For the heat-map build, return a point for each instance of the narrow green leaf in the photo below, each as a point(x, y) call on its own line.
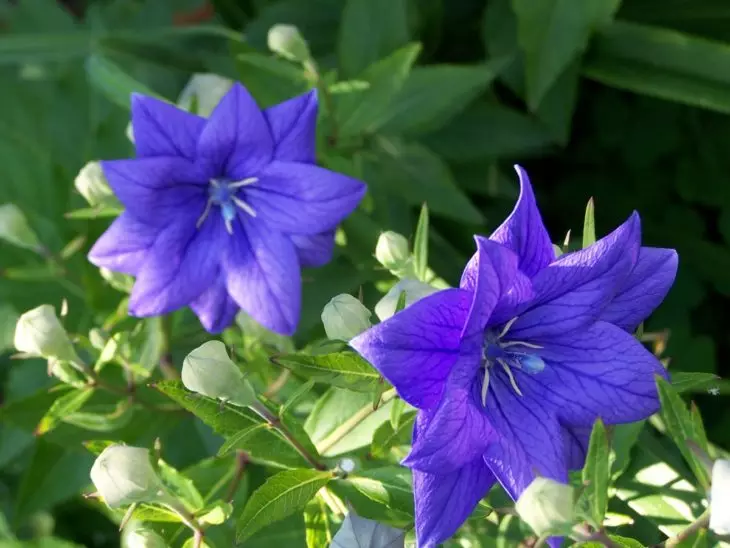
point(317, 524)
point(113, 81)
point(237, 440)
point(116, 418)
point(386, 437)
point(589, 225)
point(296, 397)
point(343, 369)
point(401, 303)
point(69, 403)
point(94, 213)
point(396, 412)
point(283, 494)
point(420, 245)
point(596, 473)
point(180, 486)
point(699, 427)
point(390, 486)
point(692, 381)
point(270, 80)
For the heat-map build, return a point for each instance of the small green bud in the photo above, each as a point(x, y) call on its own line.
point(546, 505)
point(720, 497)
point(287, 41)
point(15, 230)
point(204, 92)
point(414, 291)
point(392, 251)
point(345, 317)
point(119, 281)
point(93, 186)
point(209, 371)
point(39, 332)
point(140, 537)
point(124, 475)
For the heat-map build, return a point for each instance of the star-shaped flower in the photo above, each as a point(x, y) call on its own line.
point(510, 370)
point(221, 213)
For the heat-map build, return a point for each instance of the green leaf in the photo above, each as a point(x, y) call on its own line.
point(317, 524)
point(692, 381)
point(662, 63)
point(420, 245)
point(370, 30)
point(552, 34)
point(118, 417)
point(699, 428)
point(239, 439)
point(94, 213)
point(69, 403)
point(270, 80)
point(113, 81)
point(595, 473)
point(265, 446)
point(432, 95)
point(181, 487)
point(283, 494)
point(386, 437)
point(396, 412)
point(296, 397)
point(215, 513)
point(623, 542)
point(343, 369)
point(589, 225)
point(390, 486)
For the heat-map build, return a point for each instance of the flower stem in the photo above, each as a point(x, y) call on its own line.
point(241, 462)
point(700, 523)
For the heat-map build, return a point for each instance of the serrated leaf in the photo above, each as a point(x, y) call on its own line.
point(69, 403)
point(342, 369)
point(280, 496)
point(691, 381)
point(148, 512)
point(589, 225)
point(596, 473)
point(390, 486)
point(420, 245)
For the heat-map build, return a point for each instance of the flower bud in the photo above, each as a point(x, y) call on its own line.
point(119, 281)
point(204, 92)
point(14, 228)
point(720, 497)
point(345, 317)
point(546, 505)
point(124, 475)
point(92, 185)
point(392, 251)
point(209, 371)
point(140, 537)
point(289, 43)
point(39, 332)
point(414, 291)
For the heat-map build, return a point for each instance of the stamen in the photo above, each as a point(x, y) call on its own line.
point(244, 206)
point(519, 343)
point(512, 380)
point(206, 211)
point(485, 385)
point(243, 182)
point(506, 327)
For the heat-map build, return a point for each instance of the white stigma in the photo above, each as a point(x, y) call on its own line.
point(223, 194)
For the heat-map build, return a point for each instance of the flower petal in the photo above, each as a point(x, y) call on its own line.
point(315, 249)
point(416, 348)
point(160, 190)
point(215, 308)
point(236, 140)
point(457, 431)
point(445, 501)
point(303, 199)
point(598, 372)
point(181, 264)
point(162, 129)
point(293, 126)
point(524, 232)
point(263, 276)
point(124, 245)
point(573, 290)
point(576, 439)
point(644, 290)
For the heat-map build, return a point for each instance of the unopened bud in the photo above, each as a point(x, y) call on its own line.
point(92, 185)
point(119, 281)
point(209, 371)
point(39, 332)
point(124, 475)
point(14, 228)
point(414, 291)
point(546, 505)
point(720, 497)
point(289, 43)
point(345, 317)
point(392, 251)
point(140, 537)
point(204, 92)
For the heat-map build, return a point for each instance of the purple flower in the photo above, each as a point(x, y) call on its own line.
point(510, 370)
point(222, 213)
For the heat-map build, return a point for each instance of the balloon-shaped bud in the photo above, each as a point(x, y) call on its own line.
point(720, 497)
point(93, 186)
point(392, 251)
point(39, 332)
point(546, 505)
point(15, 230)
point(209, 371)
point(414, 291)
point(287, 41)
point(124, 475)
point(203, 92)
point(141, 537)
point(345, 317)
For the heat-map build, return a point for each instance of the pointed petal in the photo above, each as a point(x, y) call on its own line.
point(524, 232)
point(572, 291)
point(236, 139)
point(445, 501)
point(576, 439)
point(158, 191)
point(645, 288)
point(300, 198)
point(263, 276)
point(181, 264)
point(215, 308)
point(162, 129)
point(416, 348)
point(124, 245)
point(314, 250)
point(457, 431)
point(293, 126)
point(598, 372)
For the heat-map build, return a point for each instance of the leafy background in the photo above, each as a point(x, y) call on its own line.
point(625, 102)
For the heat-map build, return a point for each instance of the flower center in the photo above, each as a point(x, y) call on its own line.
point(222, 193)
point(508, 355)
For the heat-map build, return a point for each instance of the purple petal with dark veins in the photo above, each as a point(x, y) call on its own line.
point(293, 126)
point(124, 245)
point(416, 348)
point(576, 440)
point(215, 308)
point(315, 249)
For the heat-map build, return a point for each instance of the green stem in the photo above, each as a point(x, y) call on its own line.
point(701, 522)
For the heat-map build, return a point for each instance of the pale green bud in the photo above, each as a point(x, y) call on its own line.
point(392, 251)
point(287, 41)
point(414, 291)
point(140, 537)
point(39, 332)
point(720, 497)
point(205, 92)
point(345, 317)
point(124, 475)
point(14, 228)
point(93, 186)
point(546, 505)
point(209, 371)
point(119, 281)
